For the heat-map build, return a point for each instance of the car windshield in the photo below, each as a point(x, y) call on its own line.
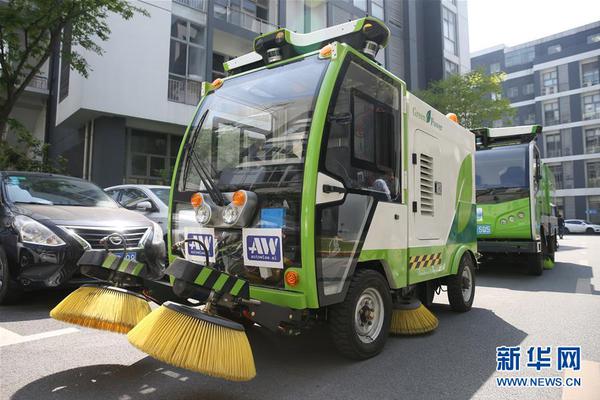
point(254, 129)
point(162, 194)
point(55, 190)
point(502, 167)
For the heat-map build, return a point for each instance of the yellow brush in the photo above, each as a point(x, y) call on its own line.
point(410, 317)
point(192, 339)
point(102, 307)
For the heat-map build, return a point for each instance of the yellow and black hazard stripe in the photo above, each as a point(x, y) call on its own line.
point(209, 278)
point(104, 259)
point(424, 260)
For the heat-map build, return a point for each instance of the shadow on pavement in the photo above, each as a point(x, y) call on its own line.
point(446, 364)
point(33, 305)
point(564, 277)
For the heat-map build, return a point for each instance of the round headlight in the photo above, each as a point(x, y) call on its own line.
point(511, 218)
point(503, 221)
point(203, 214)
point(521, 215)
point(230, 214)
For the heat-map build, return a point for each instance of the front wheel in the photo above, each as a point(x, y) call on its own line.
point(589, 231)
point(461, 287)
point(10, 291)
point(359, 325)
point(535, 264)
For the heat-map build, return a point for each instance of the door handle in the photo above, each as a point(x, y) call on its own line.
point(333, 189)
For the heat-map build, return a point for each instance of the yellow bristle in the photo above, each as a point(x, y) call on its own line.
point(195, 344)
point(102, 308)
point(413, 321)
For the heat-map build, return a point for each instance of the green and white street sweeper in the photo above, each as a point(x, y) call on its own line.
point(515, 217)
point(310, 187)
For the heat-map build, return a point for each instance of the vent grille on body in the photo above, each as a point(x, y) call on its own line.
point(427, 185)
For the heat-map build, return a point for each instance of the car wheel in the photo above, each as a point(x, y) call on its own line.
point(461, 287)
point(359, 325)
point(10, 291)
point(589, 231)
point(535, 264)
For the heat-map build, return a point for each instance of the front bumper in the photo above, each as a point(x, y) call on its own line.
point(42, 266)
point(509, 246)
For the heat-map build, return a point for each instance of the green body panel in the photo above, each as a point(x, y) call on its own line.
point(492, 214)
point(395, 259)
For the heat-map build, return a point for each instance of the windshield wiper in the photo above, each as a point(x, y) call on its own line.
point(200, 167)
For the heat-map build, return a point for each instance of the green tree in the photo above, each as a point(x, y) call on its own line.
point(30, 30)
point(475, 97)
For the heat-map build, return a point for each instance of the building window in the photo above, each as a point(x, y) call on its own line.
point(528, 89)
point(254, 15)
point(553, 145)
point(593, 174)
point(549, 82)
point(362, 4)
point(555, 48)
point(218, 71)
point(450, 68)
point(590, 73)
point(593, 209)
point(197, 4)
point(591, 106)
point(512, 92)
point(592, 140)
point(494, 68)
point(518, 57)
point(151, 156)
point(557, 171)
point(449, 27)
point(529, 119)
point(377, 9)
point(306, 15)
point(551, 113)
point(187, 60)
point(595, 38)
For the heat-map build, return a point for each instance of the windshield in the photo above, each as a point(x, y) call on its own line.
point(255, 129)
point(502, 167)
point(55, 190)
point(162, 194)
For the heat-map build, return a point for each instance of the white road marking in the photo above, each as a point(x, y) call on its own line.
point(583, 262)
point(8, 337)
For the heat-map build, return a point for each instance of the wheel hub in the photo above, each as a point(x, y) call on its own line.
point(466, 283)
point(369, 315)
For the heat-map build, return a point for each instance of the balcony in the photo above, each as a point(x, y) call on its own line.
point(184, 91)
point(243, 19)
point(199, 5)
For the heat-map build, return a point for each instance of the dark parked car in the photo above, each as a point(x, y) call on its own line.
point(47, 221)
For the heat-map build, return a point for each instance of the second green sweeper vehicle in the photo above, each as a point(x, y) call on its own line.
point(310, 187)
point(516, 220)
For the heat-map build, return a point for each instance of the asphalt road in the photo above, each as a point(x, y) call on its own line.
point(45, 359)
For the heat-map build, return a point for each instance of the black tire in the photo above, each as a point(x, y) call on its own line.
point(341, 317)
point(456, 284)
point(10, 291)
point(426, 293)
point(590, 231)
point(535, 264)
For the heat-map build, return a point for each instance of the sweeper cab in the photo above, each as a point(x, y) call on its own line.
point(515, 217)
point(311, 187)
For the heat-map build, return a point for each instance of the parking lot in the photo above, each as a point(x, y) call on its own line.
point(45, 359)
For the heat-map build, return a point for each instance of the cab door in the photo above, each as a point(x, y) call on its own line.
point(358, 187)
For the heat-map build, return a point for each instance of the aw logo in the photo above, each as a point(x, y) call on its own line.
point(194, 250)
point(262, 247)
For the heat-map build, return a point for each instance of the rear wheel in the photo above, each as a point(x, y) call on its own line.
point(461, 287)
point(359, 325)
point(535, 264)
point(589, 231)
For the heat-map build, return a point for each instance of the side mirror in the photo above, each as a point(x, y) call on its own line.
point(144, 206)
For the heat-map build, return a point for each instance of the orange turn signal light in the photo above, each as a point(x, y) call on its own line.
point(217, 83)
point(292, 278)
point(452, 117)
point(197, 200)
point(326, 51)
point(239, 198)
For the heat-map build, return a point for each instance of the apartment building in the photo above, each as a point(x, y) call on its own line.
point(555, 81)
point(125, 122)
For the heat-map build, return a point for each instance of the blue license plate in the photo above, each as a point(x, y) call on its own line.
point(129, 256)
point(484, 229)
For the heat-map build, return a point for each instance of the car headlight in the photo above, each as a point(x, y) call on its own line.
point(31, 231)
point(230, 214)
point(203, 214)
point(157, 234)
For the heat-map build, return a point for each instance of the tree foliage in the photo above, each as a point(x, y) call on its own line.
point(30, 30)
point(475, 97)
